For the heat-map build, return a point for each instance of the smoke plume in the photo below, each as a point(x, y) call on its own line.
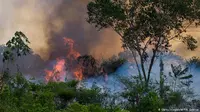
point(46, 22)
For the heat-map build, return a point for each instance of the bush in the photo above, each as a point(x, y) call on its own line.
point(150, 103)
point(89, 96)
point(76, 107)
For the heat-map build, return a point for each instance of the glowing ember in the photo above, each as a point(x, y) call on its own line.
point(58, 73)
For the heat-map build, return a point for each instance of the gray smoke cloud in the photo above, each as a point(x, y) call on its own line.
point(47, 22)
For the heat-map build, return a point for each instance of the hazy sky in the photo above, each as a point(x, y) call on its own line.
point(46, 22)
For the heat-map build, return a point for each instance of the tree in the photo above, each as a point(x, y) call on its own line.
point(89, 65)
point(15, 47)
point(147, 27)
point(138, 98)
point(193, 62)
point(180, 74)
point(162, 79)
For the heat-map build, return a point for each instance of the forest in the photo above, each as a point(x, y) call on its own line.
point(148, 29)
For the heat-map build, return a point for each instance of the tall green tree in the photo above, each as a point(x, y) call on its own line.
point(147, 27)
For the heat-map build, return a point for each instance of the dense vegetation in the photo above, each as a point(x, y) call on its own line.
point(21, 95)
point(145, 28)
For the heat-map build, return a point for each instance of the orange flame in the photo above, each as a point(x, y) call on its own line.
point(58, 71)
point(73, 55)
point(78, 74)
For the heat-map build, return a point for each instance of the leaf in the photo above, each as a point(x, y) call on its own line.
point(183, 71)
point(186, 77)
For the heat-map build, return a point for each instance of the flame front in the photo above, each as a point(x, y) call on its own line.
point(72, 55)
point(59, 70)
point(57, 73)
point(78, 73)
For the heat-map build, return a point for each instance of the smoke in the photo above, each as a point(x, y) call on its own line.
point(46, 22)
point(24, 16)
point(129, 69)
point(181, 49)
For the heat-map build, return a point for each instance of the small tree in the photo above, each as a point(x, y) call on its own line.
point(15, 47)
point(147, 27)
point(180, 74)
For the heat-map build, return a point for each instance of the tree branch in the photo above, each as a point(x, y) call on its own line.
point(152, 59)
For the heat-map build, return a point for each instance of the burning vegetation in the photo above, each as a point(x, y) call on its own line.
point(80, 66)
point(146, 28)
point(69, 63)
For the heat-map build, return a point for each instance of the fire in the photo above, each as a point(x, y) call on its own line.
point(59, 70)
point(71, 53)
point(78, 74)
point(57, 73)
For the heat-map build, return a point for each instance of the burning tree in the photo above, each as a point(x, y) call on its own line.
point(69, 64)
point(89, 65)
point(147, 27)
point(58, 73)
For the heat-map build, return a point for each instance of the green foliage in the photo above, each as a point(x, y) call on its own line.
point(18, 84)
point(26, 96)
point(150, 103)
point(175, 98)
point(17, 45)
point(190, 42)
point(104, 13)
point(194, 61)
point(147, 27)
point(83, 108)
point(76, 107)
point(17, 93)
point(181, 74)
point(139, 98)
point(90, 96)
point(20, 95)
